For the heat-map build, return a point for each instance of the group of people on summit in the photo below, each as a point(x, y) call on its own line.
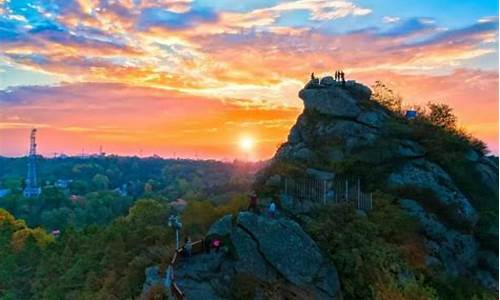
point(339, 76)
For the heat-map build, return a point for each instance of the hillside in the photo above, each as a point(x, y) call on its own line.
point(437, 174)
point(430, 233)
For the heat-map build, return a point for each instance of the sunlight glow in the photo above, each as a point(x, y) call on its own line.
point(247, 143)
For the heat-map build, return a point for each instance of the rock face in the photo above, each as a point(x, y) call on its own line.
point(456, 251)
point(423, 174)
point(341, 125)
point(269, 250)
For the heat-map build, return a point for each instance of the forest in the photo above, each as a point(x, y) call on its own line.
point(112, 217)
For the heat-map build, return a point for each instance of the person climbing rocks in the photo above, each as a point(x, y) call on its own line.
point(216, 243)
point(254, 202)
point(188, 247)
point(272, 210)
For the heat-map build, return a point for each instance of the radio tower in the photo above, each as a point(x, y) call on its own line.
point(32, 189)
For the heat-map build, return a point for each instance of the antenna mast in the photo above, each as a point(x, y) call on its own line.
point(32, 189)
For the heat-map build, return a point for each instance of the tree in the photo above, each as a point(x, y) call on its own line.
point(101, 182)
point(441, 115)
point(78, 187)
point(53, 197)
point(386, 96)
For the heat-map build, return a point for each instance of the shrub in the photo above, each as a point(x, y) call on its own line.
point(386, 96)
point(369, 251)
point(441, 115)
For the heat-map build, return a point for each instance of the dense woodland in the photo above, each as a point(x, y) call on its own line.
point(108, 235)
point(100, 189)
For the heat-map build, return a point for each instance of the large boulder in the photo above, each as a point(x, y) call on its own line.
point(327, 80)
point(333, 101)
point(275, 238)
point(222, 227)
point(422, 174)
point(268, 250)
point(358, 91)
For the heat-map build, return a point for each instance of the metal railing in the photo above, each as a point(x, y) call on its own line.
point(197, 247)
point(337, 190)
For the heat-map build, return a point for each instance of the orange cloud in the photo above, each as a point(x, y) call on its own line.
point(157, 121)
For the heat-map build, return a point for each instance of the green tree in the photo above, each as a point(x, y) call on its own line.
point(78, 187)
point(441, 115)
point(100, 182)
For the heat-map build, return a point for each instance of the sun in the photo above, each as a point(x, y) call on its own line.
point(247, 143)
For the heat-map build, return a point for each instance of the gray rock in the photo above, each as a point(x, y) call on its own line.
point(312, 84)
point(304, 154)
point(335, 154)
point(267, 249)
point(491, 160)
point(456, 251)
point(333, 101)
point(407, 148)
point(488, 175)
point(276, 238)
point(372, 118)
point(358, 90)
point(250, 260)
point(420, 173)
point(321, 175)
point(327, 80)
point(348, 134)
point(472, 155)
point(222, 227)
point(294, 137)
point(327, 282)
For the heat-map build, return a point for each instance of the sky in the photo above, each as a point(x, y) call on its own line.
point(219, 79)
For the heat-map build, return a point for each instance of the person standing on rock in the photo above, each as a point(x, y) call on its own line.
point(312, 76)
point(188, 247)
point(254, 202)
point(342, 76)
point(272, 210)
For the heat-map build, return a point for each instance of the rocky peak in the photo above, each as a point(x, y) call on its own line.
point(334, 99)
point(340, 126)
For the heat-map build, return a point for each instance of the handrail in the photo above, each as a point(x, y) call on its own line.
point(199, 246)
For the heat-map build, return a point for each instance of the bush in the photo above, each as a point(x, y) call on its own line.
point(386, 96)
point(369, 252)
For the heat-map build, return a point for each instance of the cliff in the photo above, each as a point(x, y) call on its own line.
point(438, 176)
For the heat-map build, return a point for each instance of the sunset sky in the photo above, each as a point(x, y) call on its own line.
point(219, 79)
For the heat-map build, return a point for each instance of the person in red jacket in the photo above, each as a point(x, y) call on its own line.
point(254, 202)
